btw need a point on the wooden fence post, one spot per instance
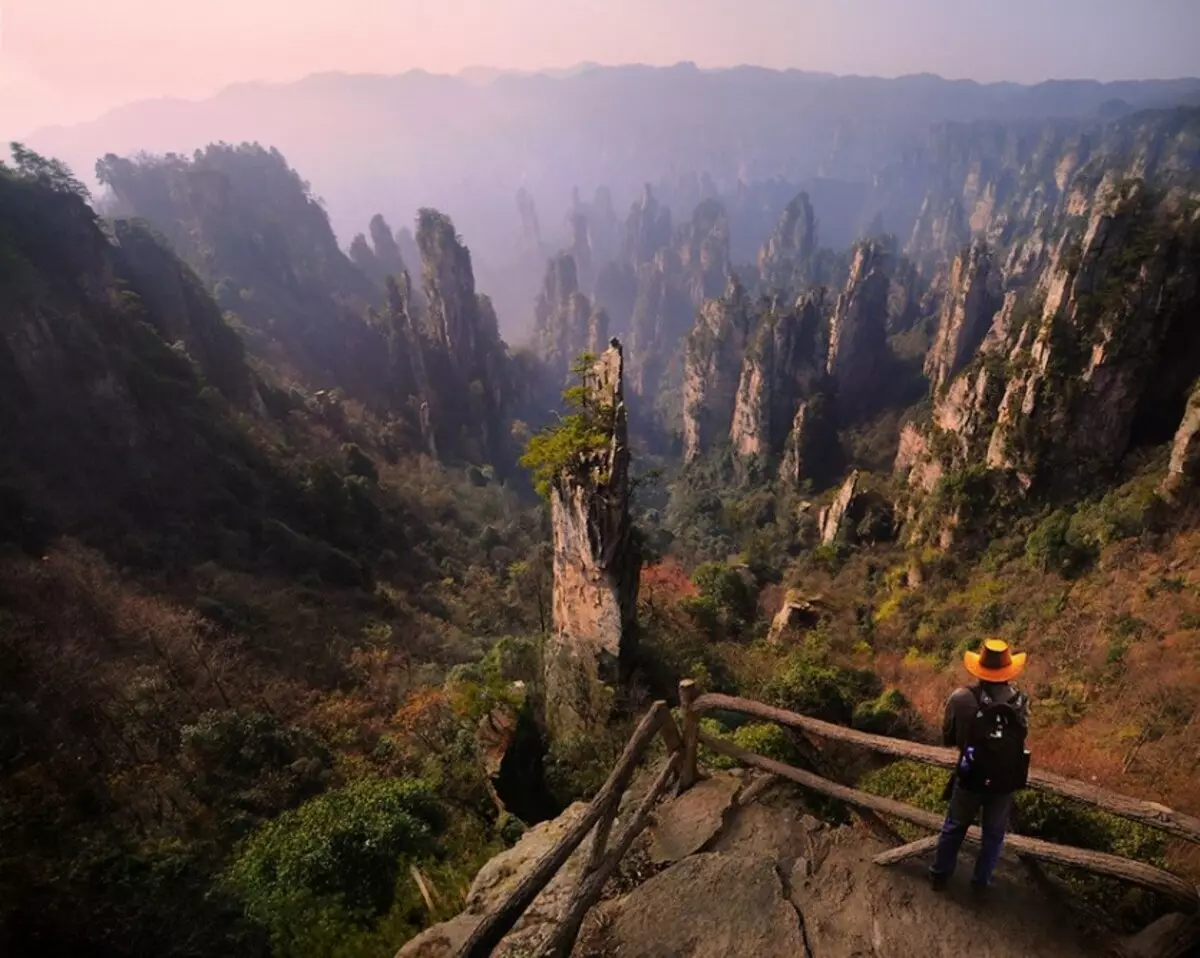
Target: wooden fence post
(691, 734)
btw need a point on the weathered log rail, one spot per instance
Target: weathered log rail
(602, 859)
(681, 764)
(1157, 816)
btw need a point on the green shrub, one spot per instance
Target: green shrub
(910, 782)
(336, 859)
(707, 757)
(889, 714)
(573, 440)
(512, 659)
(248, 764)
(1056, 545)
(768, 740)
(823, 691)
(730, 590)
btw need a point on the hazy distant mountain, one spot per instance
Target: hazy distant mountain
(392, 144)
(482, 76)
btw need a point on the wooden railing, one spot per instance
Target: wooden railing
(1183, 892)
(604, 857)
(681, 763)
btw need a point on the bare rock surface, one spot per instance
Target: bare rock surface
(691, 820)
(596, 569)
(765, 878)
(797, 612)
(497, 879)
(713, 905)
(853, 907)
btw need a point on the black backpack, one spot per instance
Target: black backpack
(994, 760)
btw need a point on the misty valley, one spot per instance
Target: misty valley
(366, 479)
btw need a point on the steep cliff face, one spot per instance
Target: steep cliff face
(967, 309)
(412, 394)
(1094, 356)
(754, 375)
(712, 360)
(581, 249)
(647, 229)
(468, 362)
(1110, 300)
(662, 316)
(381, 257)
(565, 324)
(703, 245)
(810, 451)
(781, 367)
(858, 350)
(791, 245)
(940, 230)
(596, 567)
(692, 269)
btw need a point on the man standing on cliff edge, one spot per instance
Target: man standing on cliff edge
(987, 722)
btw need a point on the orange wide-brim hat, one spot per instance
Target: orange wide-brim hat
(996, 663)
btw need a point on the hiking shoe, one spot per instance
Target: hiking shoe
(978, 888)
(938, 882)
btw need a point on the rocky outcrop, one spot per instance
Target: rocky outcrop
(796, 613)
(647, 229)
(596, 568)
(755, 918)
(703, 248)
(762, 878)
(810, 452)
(967, 310)
(531, 230)
(1109, 300)
(791, 245)
(781, 367)
(494, 883)
(381, 257)
(581, 249)
(672, 283)
(468, 362)
(939, 232)
(1184, 466)
(564, 322)
(832, 517)
(712, 360)
(858, 351)
(1083, 357)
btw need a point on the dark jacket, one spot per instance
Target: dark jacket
(962, 706)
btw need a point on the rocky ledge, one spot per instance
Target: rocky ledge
(716, 877)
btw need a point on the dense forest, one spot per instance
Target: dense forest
(287, 526)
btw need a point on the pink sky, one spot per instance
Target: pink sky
(67, 60)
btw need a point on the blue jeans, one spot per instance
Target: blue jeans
(964, 806)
